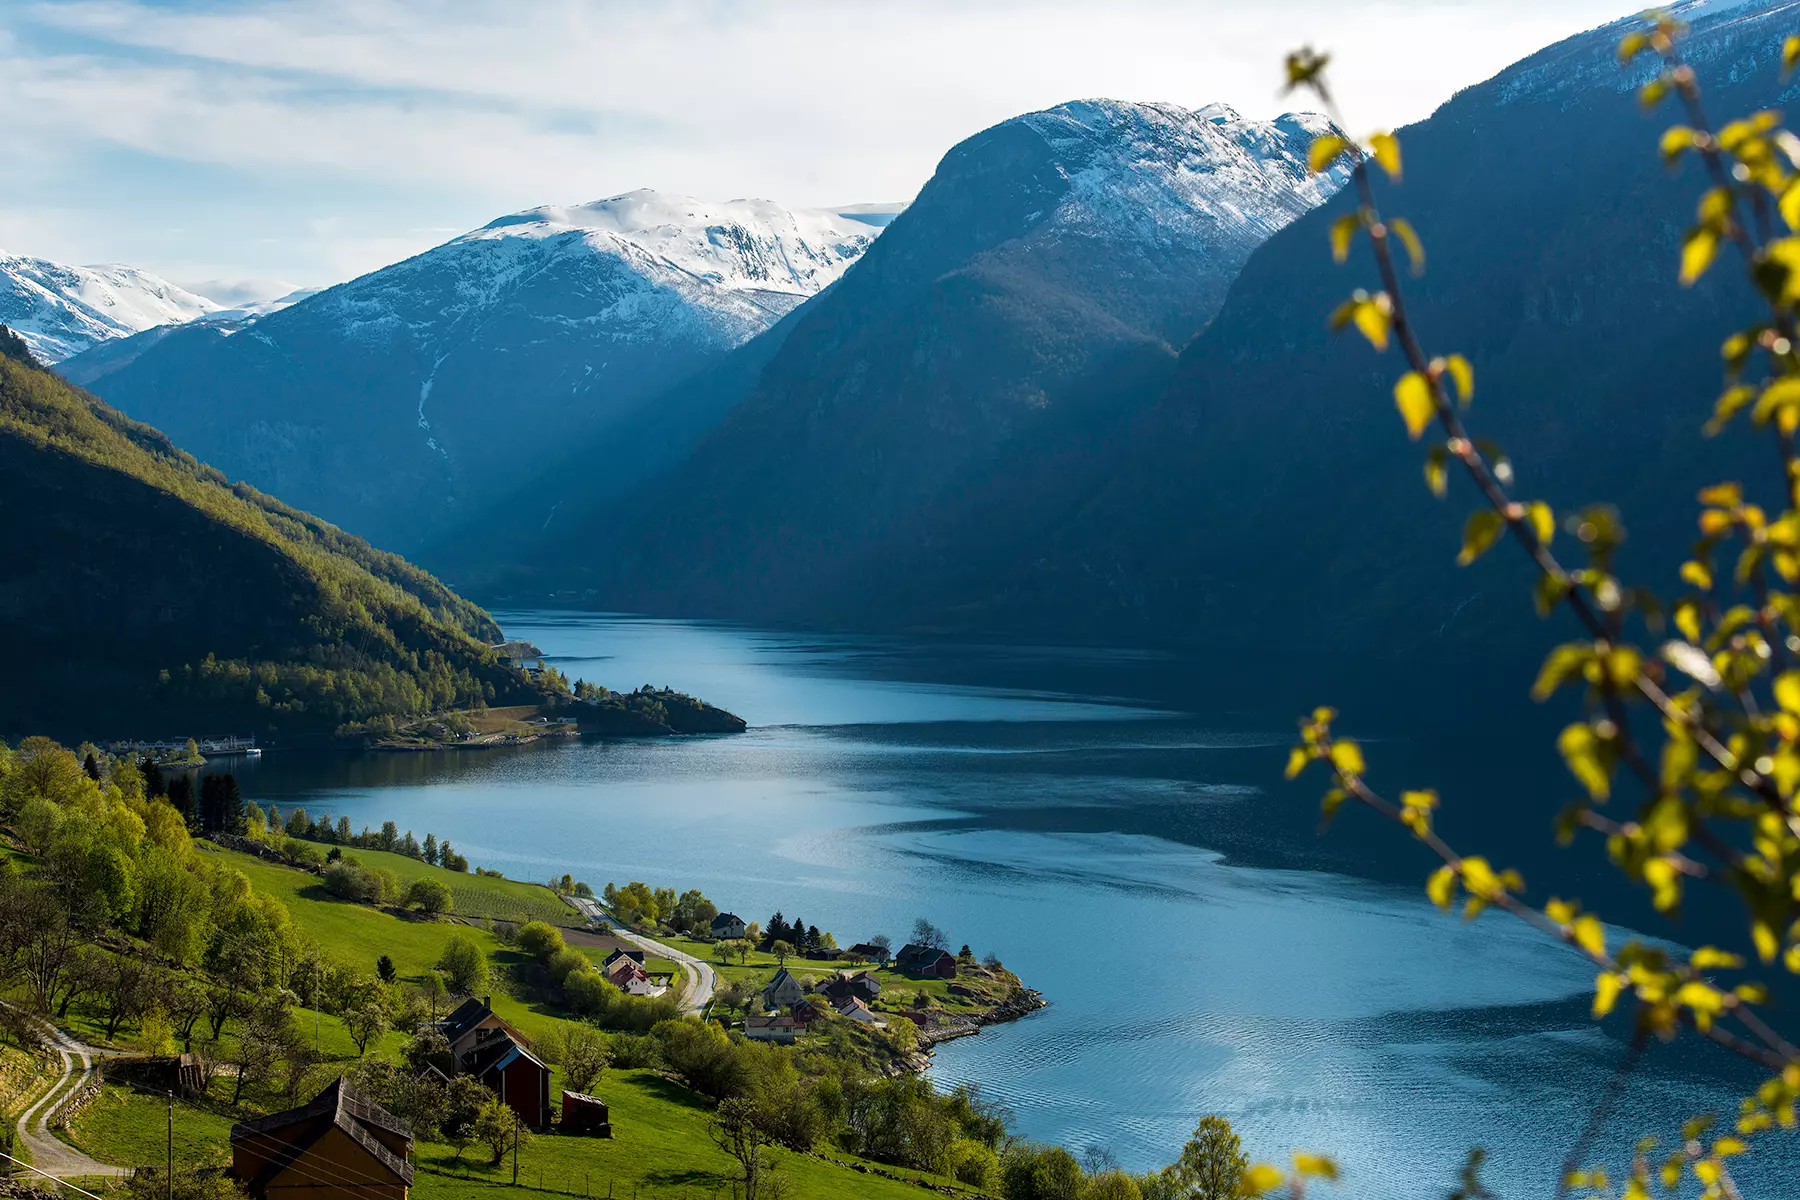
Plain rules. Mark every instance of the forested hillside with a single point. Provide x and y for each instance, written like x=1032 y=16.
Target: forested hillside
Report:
x=140 y=592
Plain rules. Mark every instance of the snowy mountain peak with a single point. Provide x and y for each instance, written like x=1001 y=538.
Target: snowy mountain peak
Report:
x=61 y=310
x=1150 y=172
x=735 y=245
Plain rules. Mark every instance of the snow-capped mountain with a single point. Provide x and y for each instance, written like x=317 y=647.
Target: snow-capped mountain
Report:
x=62 y=310
x=967 y=381
x=392 y=402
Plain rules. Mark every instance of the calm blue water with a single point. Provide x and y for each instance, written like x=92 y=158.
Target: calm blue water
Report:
x=1202 y=950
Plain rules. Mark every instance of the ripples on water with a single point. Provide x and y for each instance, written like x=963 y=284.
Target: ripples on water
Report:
x=1202 y=951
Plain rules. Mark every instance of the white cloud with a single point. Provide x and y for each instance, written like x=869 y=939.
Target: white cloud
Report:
x=426 y=116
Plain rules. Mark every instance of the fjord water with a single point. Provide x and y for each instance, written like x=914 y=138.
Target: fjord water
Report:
x=1201 y=948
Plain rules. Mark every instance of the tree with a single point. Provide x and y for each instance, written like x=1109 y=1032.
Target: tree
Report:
x=737 y=1129
x=384 y=969
x=389 y=838
x=429 y=851
x=428 y=896
x=153 y=777
x=266 y=1039
x=883 y=946
x=585 y=1057
x=496 y=1127
x=466 y=1101
x=231 y=803
x=782 y=952
x=409 y=846
x=91 y=765
x=366 y=1022
x=926 y=934
x=342 y=834
x=181 y=797
x=1212 y=1164
x=464 y=966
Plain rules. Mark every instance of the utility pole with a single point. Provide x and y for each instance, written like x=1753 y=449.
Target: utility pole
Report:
x=169 y=1176
x=515 y=1149
x=315 y=999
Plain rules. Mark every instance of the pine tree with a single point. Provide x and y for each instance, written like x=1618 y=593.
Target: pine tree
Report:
x=153 y=778
x=430 y=849
x=343 y=831
x=211 y=810
x=390 y=836
x=231 y=803
x=409 y=845
x=91 y=765
x=181 y=797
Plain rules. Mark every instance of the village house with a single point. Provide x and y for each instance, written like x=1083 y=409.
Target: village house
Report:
x=485 y=1045
x=728 y=925
x=777 y=1027
x=516 y=1075
x=783 y=991
x=869 y=951
x=855 y=1010
x=629 y=976
x=861 y=985
x=915 y=959
x=636 y=956
x=339 y=1143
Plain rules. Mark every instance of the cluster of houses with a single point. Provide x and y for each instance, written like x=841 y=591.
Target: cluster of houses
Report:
x=847 y=993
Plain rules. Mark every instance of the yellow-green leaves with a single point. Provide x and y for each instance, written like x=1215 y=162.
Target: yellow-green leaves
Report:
x=1415 y=810
x=1441 y=887
x=1347 y=757
x=1437 y=474
x=1698 y=250
x=1564 y=663
x=1790 y=54
x=1589 y=759
x=1316 y=1165
x=1789 y=203
x=1260 y=1179
x=1304 y=66
x=1607 y=987
x=1298 y=757
x=1461 y=374
x=1541 y=520
x=1482 y=530
x=1324 y=151
x=1780 y=402
x=1787 y=691
x=1343 y=233
x=1589 y=934
x=1412 y=396
x=1415 y=249
x=1372 y=315
x=1386 y=148
x=1676 y=139
x=1633 y=44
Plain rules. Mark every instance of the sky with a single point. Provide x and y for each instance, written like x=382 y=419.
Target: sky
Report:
x=243 y=147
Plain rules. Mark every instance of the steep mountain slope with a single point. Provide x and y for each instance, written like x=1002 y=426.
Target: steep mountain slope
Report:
x=142 y=594
x=61 y=310
x=394 y=403
x=1274 y=503
x=964 y=384
x=103 y=358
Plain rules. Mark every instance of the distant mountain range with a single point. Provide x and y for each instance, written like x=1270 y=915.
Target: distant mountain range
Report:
x=62 y=310
x=959 y=391
x=397 y=403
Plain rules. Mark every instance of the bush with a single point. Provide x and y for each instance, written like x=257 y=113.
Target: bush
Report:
x=972 y=1163
x=428 y=896
x=350 y=880
x=564 y=963
x=539 y=939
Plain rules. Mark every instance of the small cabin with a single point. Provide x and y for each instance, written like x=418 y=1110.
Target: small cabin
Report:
x=585 y=1115
x=340 y=1143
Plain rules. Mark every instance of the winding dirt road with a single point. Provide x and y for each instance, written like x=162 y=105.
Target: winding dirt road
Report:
x=702 y=979
x=49 y=1153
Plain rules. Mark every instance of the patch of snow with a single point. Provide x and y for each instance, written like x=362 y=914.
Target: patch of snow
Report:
x=61 y=310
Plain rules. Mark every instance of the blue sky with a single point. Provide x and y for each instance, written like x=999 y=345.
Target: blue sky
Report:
x=258 y=143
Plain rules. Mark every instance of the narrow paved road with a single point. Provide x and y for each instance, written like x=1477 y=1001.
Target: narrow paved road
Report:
x=702 y=979
x=50 y=1154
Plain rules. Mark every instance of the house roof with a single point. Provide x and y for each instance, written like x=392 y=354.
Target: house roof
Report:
x=867 y=950
x=914 y=952
x=346 y=1109
x=636 y=956
x=497 y=1054
x=777 y=979
x=775 y=1021
x=727 y=919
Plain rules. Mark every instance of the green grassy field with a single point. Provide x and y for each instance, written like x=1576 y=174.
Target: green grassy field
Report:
x=473 y=895
x=131 y=1128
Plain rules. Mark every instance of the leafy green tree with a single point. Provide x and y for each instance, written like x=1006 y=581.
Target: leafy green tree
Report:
x=782 y=952
x=366 y=1022
x=496 y=1127
x=1212 y=1164
x=384 y=969
x=463 y=966
x=429 y=851
x=428 y=896
x=540 y=939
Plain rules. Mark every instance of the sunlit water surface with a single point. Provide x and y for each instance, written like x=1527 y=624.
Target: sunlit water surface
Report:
x=1047 y=806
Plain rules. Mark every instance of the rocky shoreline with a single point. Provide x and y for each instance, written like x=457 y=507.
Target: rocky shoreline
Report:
x=1019 y=1005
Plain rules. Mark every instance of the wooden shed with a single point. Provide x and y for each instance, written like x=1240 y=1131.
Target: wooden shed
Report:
x=585 y=1114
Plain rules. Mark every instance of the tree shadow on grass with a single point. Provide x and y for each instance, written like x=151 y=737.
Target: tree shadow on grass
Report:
x=674 y=1093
